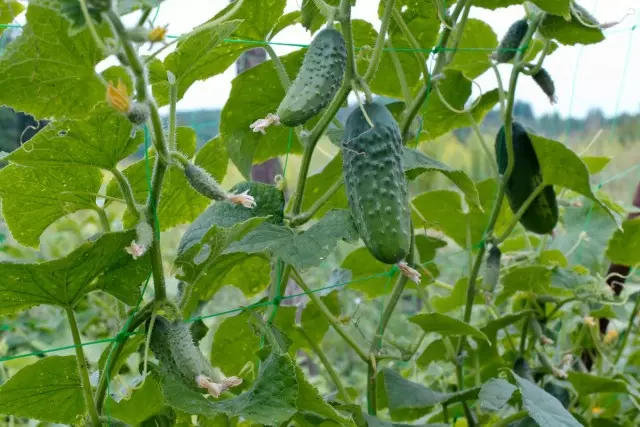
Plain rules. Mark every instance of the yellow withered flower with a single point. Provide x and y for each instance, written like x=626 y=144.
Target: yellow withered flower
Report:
x=118 y=97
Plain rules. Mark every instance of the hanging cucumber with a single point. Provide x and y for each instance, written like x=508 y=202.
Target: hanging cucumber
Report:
x=179 y=358
x=545 y=82
x=375 y=183
x=318 y=79
x=541 y=216
x=511 y=41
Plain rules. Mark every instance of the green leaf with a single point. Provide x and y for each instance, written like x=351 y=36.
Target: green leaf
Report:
x=545 y=409
x=234 y=344
x=61 y=77
x=495 y=4
x=310 y=403
x=271 y=400
x=303 y=250
x=624 y=246
x=474 y=49
x=318 y=184
x=53 y=380
x=434 y=352
x=9 y=9
x=205 y=266
x=446 y=326
x=313 y=321
x=311 y=17
x=422 y=20
x=196 y=57
x=561 y=166
x=457 y=297
x=570 y=32
x=143 y=403
x=554 y=7
x=254 y=94
x=213 y=158
x=456 y=90
x=535 y=47
x=495 y=394
x=35 y=197
x=528 y=278
x=63 y=282
x=416 y=163
x=257 y=22
x=285 y=21
x=586 y=384
x=596 y=164
x=101 y=140
x=491 y=329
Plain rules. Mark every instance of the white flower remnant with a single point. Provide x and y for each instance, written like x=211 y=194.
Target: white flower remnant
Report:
x=135 y=250
x=261 y=125
x=216 y=389
x=243 y=199
x=412 y=274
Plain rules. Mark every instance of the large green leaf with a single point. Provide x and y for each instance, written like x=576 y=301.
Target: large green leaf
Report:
x=303 y=250
x=435 y=351
x=457 y=297
x=561 y=166
x=495 y=4
x=422 y=20
x=314 y=322
x=569 y=32
x=318 y=184
x=9 y=9
x=101 y=140
x=271 y=400
x=213 y=158
x=46 y=72
x=495 y=394
x=254 y=94
x=586 y=384
x=48 y=390
x=545 y=409
x=624 y=246
x=234 y=344
x=35 y=197
x=554 y=7
x=311 y=405
x=474 y=48
x=446 y=326
x=63 y=282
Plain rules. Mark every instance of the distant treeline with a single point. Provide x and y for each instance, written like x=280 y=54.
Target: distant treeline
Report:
x=17 y=128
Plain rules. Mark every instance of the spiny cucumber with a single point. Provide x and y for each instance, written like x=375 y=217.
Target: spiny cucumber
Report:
x=511 y=41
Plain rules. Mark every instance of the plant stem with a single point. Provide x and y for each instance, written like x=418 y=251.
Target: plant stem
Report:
x=127 y=191
x=160 y=144
x=377 y=50
x=523 y=336
x=327 y=365
x=625 y=339
x=545 y=51
x=514 y=221
x=413 y=43
x=143 y=18
x=418 y=101
x=402 y=78
x=312 y=139
x=173 y=101
x=511 y=418
x=83 y=368
x=278 y=287
x=282 y=73
x=483 y=144
x=89 y=22
x=501 y=94
x=140 y=317
x=317 y=205
x=104 y=221
x=329 y=316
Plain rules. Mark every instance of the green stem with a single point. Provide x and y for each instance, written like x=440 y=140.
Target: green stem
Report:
x=451 y=51
x=83 y=368
x=143 y=18
x=402 y=78
x=511 y=418
x=333 y=108
x=329 y=316
x=104 y=220
x=536 y=69
x=413 y=43
x=140 y=317
x=523 y=336
x=173 y=101
x=278 y=287
x=501 y=94
x=282 y=73
x=377 y=50
x=418 y=101
x=627 y=333
x=127 y=191
x=160 y=144
x=521 y=211
x=483 y=144
x=90 y=26
x=327 y=365
x=317 y=205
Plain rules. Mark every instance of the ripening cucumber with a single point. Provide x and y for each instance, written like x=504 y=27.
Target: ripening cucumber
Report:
x=511 y=41
x=318 y=79
x=179 y=357
x=541 y=216
x=375 y=182
x=545 y=82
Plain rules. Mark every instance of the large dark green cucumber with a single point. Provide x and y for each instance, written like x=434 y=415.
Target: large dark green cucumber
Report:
x=318 y=79
x=510 y=43
x=375 y=182
x=542 y=215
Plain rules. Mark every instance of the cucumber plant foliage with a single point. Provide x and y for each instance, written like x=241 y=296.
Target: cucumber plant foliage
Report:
x=385 y=288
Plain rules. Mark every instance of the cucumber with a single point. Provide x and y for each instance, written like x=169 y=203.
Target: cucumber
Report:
x=318 y=79
x=541 y=216
x=511 y=41
x=375 y=183
x=492 y=270
x=545 y=82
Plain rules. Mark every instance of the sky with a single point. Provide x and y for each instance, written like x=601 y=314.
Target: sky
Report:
x=586 y=77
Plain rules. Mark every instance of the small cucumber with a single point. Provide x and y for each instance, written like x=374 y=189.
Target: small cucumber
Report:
x=492 y=270
x=375 y=183
x=545 y=82
x=541 y=216
x=318 y=79
x=511 y=41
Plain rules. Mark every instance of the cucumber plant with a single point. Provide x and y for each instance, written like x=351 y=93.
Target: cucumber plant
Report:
x=238 y=304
